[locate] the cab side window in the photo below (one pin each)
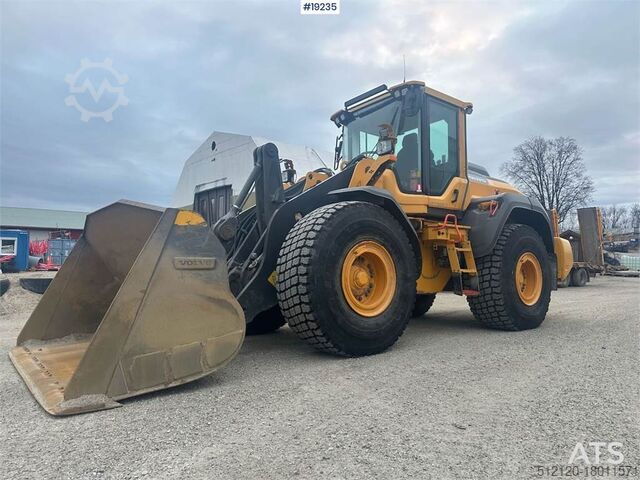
(442, 164)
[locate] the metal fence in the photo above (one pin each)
(59, 249)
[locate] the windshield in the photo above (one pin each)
(361, 136)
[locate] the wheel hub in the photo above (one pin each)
(361, 278)
(368, 278)
(528, 278)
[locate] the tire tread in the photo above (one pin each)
(294, 272)
(489, 306)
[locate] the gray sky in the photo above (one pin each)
(530, 68)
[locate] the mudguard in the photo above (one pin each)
(383, 198)
(487, 223)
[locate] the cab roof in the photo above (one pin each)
(383, 91)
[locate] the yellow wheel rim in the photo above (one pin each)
(529, 278)
(368, 278)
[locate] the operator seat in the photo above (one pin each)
(407, 160)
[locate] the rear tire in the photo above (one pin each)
(500, 304)
(266, 322)
(579, 277)
(330, 254)
(423, 304)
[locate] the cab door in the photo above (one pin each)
(444, 160)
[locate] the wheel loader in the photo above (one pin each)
(152, 298)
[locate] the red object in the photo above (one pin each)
(47, 265)
(38, 248)
(493, 208)
(6, 258)
(445, 222)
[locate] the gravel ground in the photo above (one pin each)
(450, 400)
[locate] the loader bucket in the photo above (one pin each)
(141, 304)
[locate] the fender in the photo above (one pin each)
(384, 199)
(259, 293)
(511, 208)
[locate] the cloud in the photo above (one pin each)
(549, 68)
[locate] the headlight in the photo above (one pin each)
(384, 147)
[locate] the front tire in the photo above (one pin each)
(347, 279)
(515, 281)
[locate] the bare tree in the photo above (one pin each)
(634, 214)
(614, 217)
(551, 171)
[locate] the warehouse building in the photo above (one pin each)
(41, 222)
(214, 174)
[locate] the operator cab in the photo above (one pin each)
(428, 134)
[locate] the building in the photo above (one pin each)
(218, 169)
(41, 222)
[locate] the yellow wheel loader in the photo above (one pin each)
(152, 298)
